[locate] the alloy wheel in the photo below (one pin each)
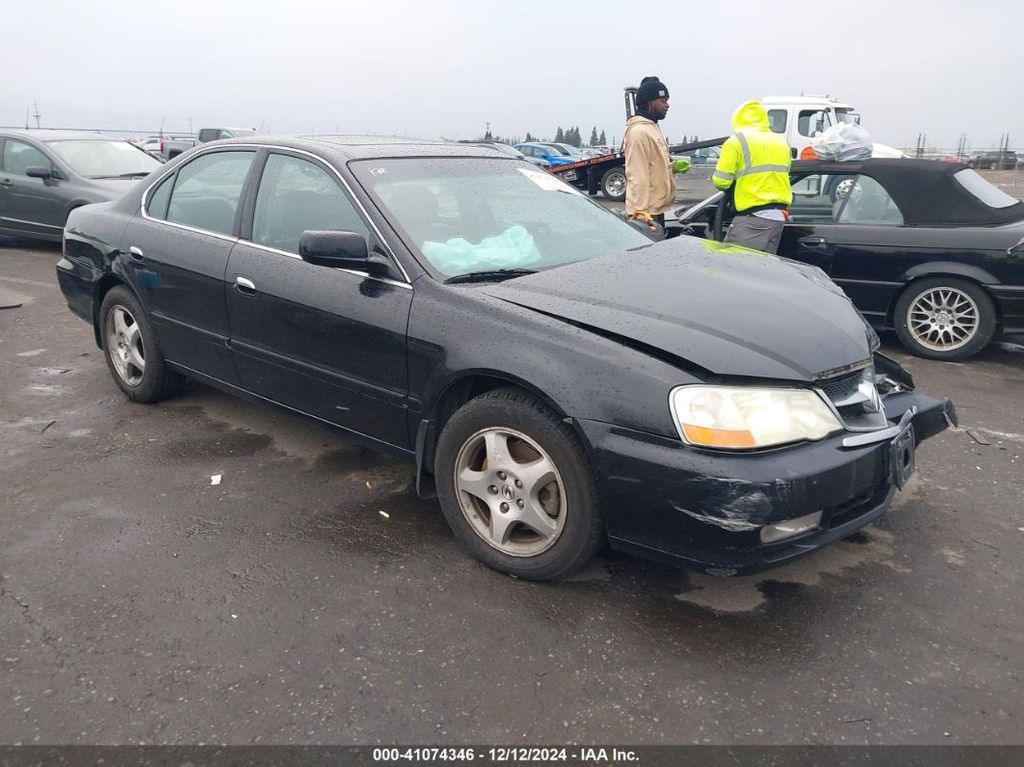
(510, 492)
(125, 347)
(943, 319)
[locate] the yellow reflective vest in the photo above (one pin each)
(756, 161)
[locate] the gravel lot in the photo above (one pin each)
(141, 604)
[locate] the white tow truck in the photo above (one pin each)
(799, 118)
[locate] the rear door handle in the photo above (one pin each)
(135, 254)
(245, 286)
(813, 242)
(6, 182)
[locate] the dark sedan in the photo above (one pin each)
(928, 248)
(45, 174)
(560, 380)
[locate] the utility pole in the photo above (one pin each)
(36, 113)
(961, 148)
(1004, 148)
(922, 140)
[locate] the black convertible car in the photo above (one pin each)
(559, 379)
(927, 248)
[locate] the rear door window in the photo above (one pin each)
(295, 196)
(207, 191)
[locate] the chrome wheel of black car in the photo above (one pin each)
(510, 492)
(517, 487)
(125, 347)
(131, 348)
(945, 318)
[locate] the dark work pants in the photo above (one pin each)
(755, 232)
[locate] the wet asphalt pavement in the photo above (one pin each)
(141, 604)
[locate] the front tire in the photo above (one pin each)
(613, 183)
(131, 349)
(517, 488)
(945, 318)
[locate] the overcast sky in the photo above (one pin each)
(445, 67)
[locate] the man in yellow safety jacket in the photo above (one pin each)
(755, 163)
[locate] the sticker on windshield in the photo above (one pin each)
(546, 181)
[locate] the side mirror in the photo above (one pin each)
(39, 171)
(339, 249)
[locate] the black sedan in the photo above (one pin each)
(45, 174)
(928, 248)
(559, 379)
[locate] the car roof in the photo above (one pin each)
(45, 134)
(925, 191)
(364, 147)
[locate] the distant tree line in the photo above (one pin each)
(569, 136)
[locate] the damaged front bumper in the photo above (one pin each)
(705, 510)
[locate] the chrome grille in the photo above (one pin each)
(855, 411)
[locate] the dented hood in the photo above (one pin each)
(727, 309)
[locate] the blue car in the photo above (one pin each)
(544, 152)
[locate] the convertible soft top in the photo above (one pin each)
(925, 191)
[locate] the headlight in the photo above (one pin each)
(742, 417)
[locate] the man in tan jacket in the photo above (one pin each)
(650, 188)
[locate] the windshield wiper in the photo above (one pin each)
(489, 275)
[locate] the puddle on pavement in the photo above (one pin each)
(225, 444)
(350, 456)
(739, 595)
(46, 390)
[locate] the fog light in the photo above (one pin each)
(789, 528)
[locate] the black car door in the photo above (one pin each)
(328, 342)
(809, 235)
(178, 253)
(872, 251)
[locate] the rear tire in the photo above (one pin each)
(613, 183)
(517, 488)
(131, 349)
(945, 318)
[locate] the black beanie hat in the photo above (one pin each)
(651, 88)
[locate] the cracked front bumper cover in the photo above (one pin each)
(703, 509)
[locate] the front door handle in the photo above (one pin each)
(135, 254)
(245, 286)
(6, 182)
(813, 242)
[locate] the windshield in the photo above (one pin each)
(983, 190)
(559, 150)
(103, 158)
(465, 215)
(847, 116)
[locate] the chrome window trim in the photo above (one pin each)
(256, 147)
